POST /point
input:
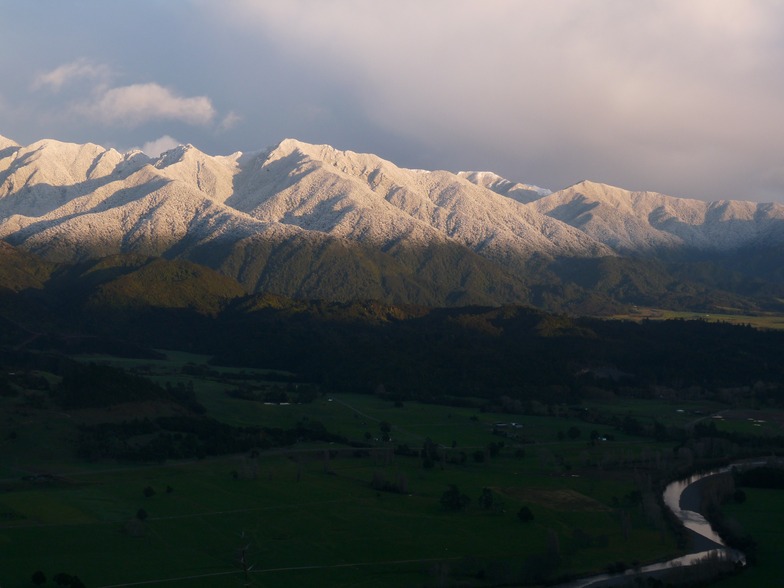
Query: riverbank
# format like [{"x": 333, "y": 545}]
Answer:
[{"x": 708, "y": 555}]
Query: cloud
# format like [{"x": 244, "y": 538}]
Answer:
[
  {"x": 55, "y": 79},
  {"x": 229, "y": 121},
  {"x": 156, "y": 147},
  {"x": 133, "y": 105},
  {"x": 126, "y": 106},
  {"x": 673, "y": 96},
  {"x": 658, "y": 94},
  {"x": 501, "y": 65}
]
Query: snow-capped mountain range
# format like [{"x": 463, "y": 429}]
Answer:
[{"x": 237, "y": 213}]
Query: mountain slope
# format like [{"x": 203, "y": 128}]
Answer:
[
  {"x": 302, "y": 219},
  {"x": 19, "y": 270},
  {"x": 369, "y": 200},
  {"x": 311, "y": 221},
  {"x": 68, "y": 201},
  {"x": 160, "y": 283},
  {"x": 642, "y": 222},
  {"x": 524, "y": 193}
]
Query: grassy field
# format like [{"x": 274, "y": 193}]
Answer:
[
  {"x": 760, "y": 320},
  {"x": 299, "y": 510},
  {"x": 760, "y": 516},
  {"x": 308, "y": 515}
]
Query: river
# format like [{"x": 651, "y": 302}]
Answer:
[{"x": 683, "y": 499}]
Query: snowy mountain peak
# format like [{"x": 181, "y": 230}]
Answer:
[
  {"x": 55, "y": 164},
  {"x": 647, "y": 221},
  {"x": 68, "y": 201},
  {"x": 174, "y": 155},
  {"x": 5, "y": 143},
  {"x": 591, "y": 187},
  {"x": 288, "y": 147},
  {"x": 524, "y": 193},
  {"x": 213, "y": 176},
  {"x": 344, "y": 161}
]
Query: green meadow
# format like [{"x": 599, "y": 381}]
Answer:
[
  {"x": 760, "y": 517},
  {"x": 309, "y": 514},
  {"x": 759, "y": 320},
  {"x": 301, "y": 515}
]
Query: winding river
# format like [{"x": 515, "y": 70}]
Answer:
[{"x": 681, "y": 497}]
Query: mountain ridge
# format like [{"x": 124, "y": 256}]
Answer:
[
  {"x": 643, "y": 221},
  {"x": 314, "y": 221}
]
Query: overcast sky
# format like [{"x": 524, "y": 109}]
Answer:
[{"x": 684, "y": 97}]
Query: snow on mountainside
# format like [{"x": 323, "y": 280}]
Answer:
[
  {"x": 72, "y": 201},
  {"x": 6, "y": 143},
  {"x": 69, "y": 202},
  {"x": 305, "y": 221},
  {"x": 524, "y": 193},
  {"x": 364, "y": 198},
  {"x": 644, "y": 221},
  {"x": 213, "y": 176}
]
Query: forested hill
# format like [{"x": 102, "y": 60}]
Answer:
[{"x": 442, "y": 355}]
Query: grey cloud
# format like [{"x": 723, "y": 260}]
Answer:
[
  {"x": 631, "y": 83},
  {"x": 678, "y": 97}
]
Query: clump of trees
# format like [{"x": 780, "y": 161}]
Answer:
[
  {"x": 525, "y": 515},
  {"x": 397, "y": 485},
  {"x": 61, "y": 579},
  {"x": 762, "y": 477},
  {"x": 454, "y": 500},
  {"x": 90, "y": 386},
  {"x": 182, "y": 437},
  {"x": 489, "y": 500}
]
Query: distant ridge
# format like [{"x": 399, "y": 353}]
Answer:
[{"x": 644, "y": 221}]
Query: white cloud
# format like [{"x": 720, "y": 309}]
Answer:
[
  {"x": 133, "y": 105},
  {"x": 127, "y": 106},
  {"x": 229, "y": 121},
  {"x": 55, "y": 79},
  {"x": 156, "y": 147}
]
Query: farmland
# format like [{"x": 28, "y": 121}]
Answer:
[
  {"x": 169, "y": 468},
  {"x": 309, "y": 512}
]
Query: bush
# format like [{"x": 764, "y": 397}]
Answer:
[
  {"x": 453, "y": 499},
  {"x": 525, "y": 514}
]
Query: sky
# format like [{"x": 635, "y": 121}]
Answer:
[{"x": 680, "y": 97}]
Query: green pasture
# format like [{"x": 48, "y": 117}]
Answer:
[
  {"x": 669, "y": 412},
  {"x": 762, "y": 320},
  {"x": 32, "y": 435},
  {"x": 352, "y": 415},
  {"x": 760, "y": 516},
  {"x": 307, "y": 514},
  {"x": 454, "y": 428},
  {"x": 302, "y": 511},
  {"x": 763, "y": 423},
  {"x": 173, "y": 361}
]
